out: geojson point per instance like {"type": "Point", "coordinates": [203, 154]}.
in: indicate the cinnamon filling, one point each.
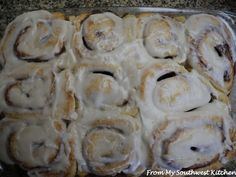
{"type": "Point", "coordinates": [21, 55]}
{"type": "Point", "coordinates": [197, 149]}
{"type": "Point", "coordinates": [166, 76]}
{"type": "Point", "coordinates": [17, 87]}
{"type": "Point", "coordinates": [220, 50]}
{"type": "Point", "coordinates": [117, 130]}
{"type": "Point", "coordinates": [166, 57]}
{"type": "Point", "coordinates": [2, 115]}
{"type": "Point", "coordinates": [213, 97]}
{"type": "Point", "coordinates": [105, 162]}
{"type": "Point", "coordinates": [108, 73]}
{"type": "Point", "coordinates": [197, 166]}
{"type": "Point", "coordinates": [125, 102]}
{"type": "Point", "coordinates": [226, 76]}
{"type": "Point", "coordinates": [223, 50]}
{"type": "Point", "coordinates": [86, 44]}
{"type": "Point", "coordinates": [191, 110]}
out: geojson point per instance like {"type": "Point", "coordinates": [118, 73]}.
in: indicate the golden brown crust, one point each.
{"type": "Point", "coordinates": [148, 73]}
{"type": "Point", "coordinates": [59, 15]}
{"type": "Point", "coordinates": [77, 20]}
{"type": "Point", "coordinates": [215, 162]}
{"type": "Point", "coordinates": [221, 44]}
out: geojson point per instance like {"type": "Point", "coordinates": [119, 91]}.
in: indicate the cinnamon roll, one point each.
{"type": "Point", "coordinates": [211, 49]}
{"type": "Point", "coordinates": [109, 95]}
{"type": "Point", "coordinates": [36, 90]}
{"type": "Point", "coordinates": [104, 86]}
{"type": "Point", "coordinates": [168, 87]}
{"type": "Point", "coordinates": [198, 140]}
{"type": "Point", "coordinates": [43, 147]}
{"type": "Point", "coordinates": [162, 37]}
{"type": "Point", "coordinates": [102, 36]}
{"type": "Point", "coordinates": [37, 36]}
{"type": "Point", "coordinates": [110, 144]}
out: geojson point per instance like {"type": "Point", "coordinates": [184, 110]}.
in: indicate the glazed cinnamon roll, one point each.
{"type": "Point", "coordinates": [198, 140]}
{"type": "Point", "coordinates": [105, 87]}
{"type": "Point", "coordinates": [102, 36]}
{"type": "Point", "coordinates": [110, 144]}
{"type": "Point", "coordinates": [167, 88]}
{"type": "Point", "coordinates": [36, 90]}
{"type": "Point", "coordinates": [212, 49]}
{"type": "Point", "coordinates": [108, 95]}
{"type": "Point", "coordinates": [162, 37]}
{"type": "Point", "coordinates": [43, 147]}
{"type": "Point", "coordinates": [37, 36]}
{"type": "Point", "coordinates": [102, 32]}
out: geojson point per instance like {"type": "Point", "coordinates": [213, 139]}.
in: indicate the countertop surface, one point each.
{"type": "Point", "coordinates": [9, 9]}
{"type": "Point", "coordinates": [6, 5]}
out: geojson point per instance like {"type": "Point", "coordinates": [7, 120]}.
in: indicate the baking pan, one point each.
{"type": "Point", "coordinates": [228, 17]}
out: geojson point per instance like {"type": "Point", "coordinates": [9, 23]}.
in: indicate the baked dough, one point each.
{"type": "Point", "coordinates": [43, 146]}
{"type": "Point", "coordinates": [212, 50]}
{"type": "Point", "coordinates": [104, 86]}
{"type": "Point", "coordinates": [37, 37]}
{"type": "Point", "coordinates": [162, 37]}
{"type": "Point", "coordinates": [37, 90]}
{"type": "Point", "coordinates": [198, 140]}
{"type": "Point", "coordinates": [106, 142]}
{"type": "Point", "coordinates": [107, 95]}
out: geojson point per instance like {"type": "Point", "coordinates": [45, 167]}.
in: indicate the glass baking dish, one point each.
{"type": "Point", "coordinates": [228, 17]}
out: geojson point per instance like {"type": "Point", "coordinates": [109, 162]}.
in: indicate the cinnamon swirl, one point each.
{"type": "Point", "coordinates": [104, 86]}
{"type": "Point", "coordinates": [169, 87]}
{"type": "Point", "coordinates": [102, 36]}
{"type": "Point", "coordinates": [212, 49]}
{"type": "Point", "coordinates": [36, 90]}
{"type": "Point", "coordinates": [107, 94]}
{"type": "Point", "coordinates": [41, 146]}
{"type": "Point", "coordinates": [37, 36]}
{"type": "Point", "coordinates": [162, 37]}
{"type": "Point", "coordinates": [201, 139]}
{"type": "Point", "coordinates": [110, 143]}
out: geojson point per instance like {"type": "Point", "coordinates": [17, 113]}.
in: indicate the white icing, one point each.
{"type": "Point", "coordinates": [209, 33]}
{"type": "Point", "coordinates": [174, 94]}
{"type": "Point", "coordinates": [120, 141]}
{"type": "Point", "coordinates": [200, 137]}
{"type": "Point", "coordinates": [37, 145]}
{"type": "Point", "coordinates": [103, 32]}
{"type": "Point", "coordinates": [188, 84]}
{"type": "Point", "coordinates": [163, 37]}
{"type": "Point", "coordinates": [102, 86]}
{"type": "Point", "coordinates": [6, 129]}
{"type": "Point", "coordinates": [32, 90]}
{"type": "Point", "coordinates": [36, 90]}
{"type": "Point", "coordinates": [218, 64]}
{"type": "Point", "coordinates": [64, 103]}
{"type": "Point", "coordinates": [107, 83]}
{"type": "Point", "coordinates": [106, 37]}
{"type": "Point", "coordinates": [36, 36]}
